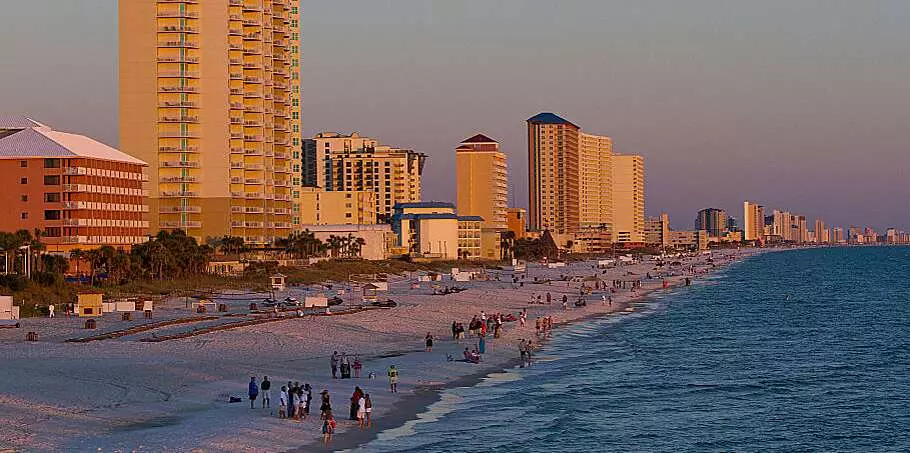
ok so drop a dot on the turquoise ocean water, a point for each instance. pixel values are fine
(797, 351)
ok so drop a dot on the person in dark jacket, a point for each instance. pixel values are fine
(265, 386)
(355, 400)
(253, 391)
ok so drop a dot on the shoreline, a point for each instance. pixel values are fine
(122, 385)
(410, 407)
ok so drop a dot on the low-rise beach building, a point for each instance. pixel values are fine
(77, 192)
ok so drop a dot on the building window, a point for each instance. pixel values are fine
(51, 180)
(25, 198)
(23, 180)
(23, 216)
(51, 215)
(52, 197)
(52, 232)
(23, 163)
(51, 163)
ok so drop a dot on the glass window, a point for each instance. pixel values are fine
(23, 163)
(25, 198)
(23, 215)
(51, 163)
(23, 180)
(52, 180)
(52, 197)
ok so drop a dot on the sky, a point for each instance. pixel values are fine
(801, 105)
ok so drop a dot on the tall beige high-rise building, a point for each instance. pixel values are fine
(482, 181)
(628, 198)
(343, 163)
(753, 221)
(595, 186)
(553, 174)
(571, 177)
(210, 98)
(820, 231)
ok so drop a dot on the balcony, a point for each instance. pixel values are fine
(251, 23)
(177, 194)
(178, 104)
(236, 150)
(178, 119)
(178, 89)
(183, 59)
(74, 188)
(255, 36)
(182, 224)
(180, 209)
(253, 152)
(181, 14)
(178, 29)
(183, 44)
(179, 75)
(179, 164)
(236, 76)
(179, 179)
(254, 210)
(254, 224)
(178, 134)
(75, 205)
(251, 79)
(236, 164)
(252, 138)
(237, 209)
(253, 181)
(178, 149)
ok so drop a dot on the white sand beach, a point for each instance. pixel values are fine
(123, 394)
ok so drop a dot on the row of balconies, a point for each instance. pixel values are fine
(179, 75)
(178, 119)
(178, 104)
(183, 14)
(179, 59)
(179, 164)
(89, 188)
(115, 223)
(102, 239)
(178, 194)
(179, 179)
(182, 224)
(99, 206)
(178, 29)
(180, 209)
(178, 149)
(181, 43)
(178, 89)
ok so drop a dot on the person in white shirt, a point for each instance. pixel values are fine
(283, 403)
(362, 411)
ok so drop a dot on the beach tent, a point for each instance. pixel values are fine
(89, 304)
(278, 282)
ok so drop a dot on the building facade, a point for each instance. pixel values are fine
(318, 207)
(77, 192)
(210, 98)
(628, 198)
(482, 181)
(753, 221)
(712, 220)
(432, 229)
(553, 174)
(354, 163)
(517, 222)
(595, 182)
(378, 239)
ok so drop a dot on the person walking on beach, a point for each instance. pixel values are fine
(522, 351)
(253, 391)
(334, 361)
(528, 348)
(362, 410)
(283, 403)
(355, 403)
(368, 410)
(294, 404)
(393, 379)
(326, 407)
(357, 367)
(328, 428)
(50, 311)
(523, 317)
(549, 298)
(265, 387)
(429, 342)
(308, 398)
(454, 330)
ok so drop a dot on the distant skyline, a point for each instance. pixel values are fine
(798, 106)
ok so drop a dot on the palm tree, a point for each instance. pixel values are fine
(77, 255)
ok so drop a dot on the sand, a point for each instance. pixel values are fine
(126, 395)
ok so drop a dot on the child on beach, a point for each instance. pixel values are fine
(429, 342)
(362, 411)
(328, 428)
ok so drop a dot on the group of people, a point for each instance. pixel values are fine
(361, 408)
(543, 325)
(524, 349)
(294, 401)
(344, 364)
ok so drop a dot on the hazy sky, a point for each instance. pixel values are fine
(797, 104)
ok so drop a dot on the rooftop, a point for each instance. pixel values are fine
(424, 204)
(549, 118)
(479, 138)
(23, 137)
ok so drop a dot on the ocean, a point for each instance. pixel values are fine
(794, 351)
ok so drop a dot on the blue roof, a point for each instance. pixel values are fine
(424, 216)
(424, 204)
(471, 218)
(548, 118)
